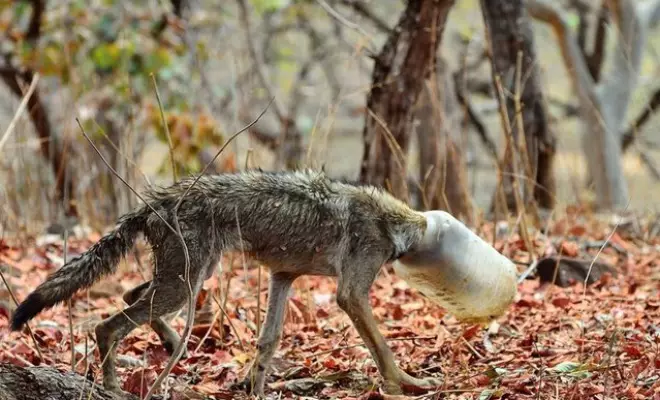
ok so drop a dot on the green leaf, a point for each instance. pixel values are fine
(106, 56)
(573, 20)
(572, 369)
(565, 367)
(262, 6)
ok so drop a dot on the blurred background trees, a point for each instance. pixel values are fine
(473, 107)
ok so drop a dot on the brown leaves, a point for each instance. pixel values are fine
(554, 342)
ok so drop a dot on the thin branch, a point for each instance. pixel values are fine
(278, 108)
(19, 111)
(345, 22)
(548, 12)
(474, 118)
(363, 10)
(650, 164)
(630, 135)
(34, 29)
(191, 302)
(165, 127)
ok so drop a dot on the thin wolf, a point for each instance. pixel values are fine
(294, 223)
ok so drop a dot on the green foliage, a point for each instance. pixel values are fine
(262, 6)
(190, 134)
(107, 47)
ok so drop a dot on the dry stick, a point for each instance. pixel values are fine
(221, 322)
(69, 308)
(259, 300)
(514, 181)
(259, 64)
(586, 278)
(345, 22)
(208, 331)
(11, 293)
(177, 233)
(394, 148)
(191, 301)
(231, 324)
(19, 111)
(167, 128)
(360, 344)
(121, 153)
(65, 250)
(527, 166)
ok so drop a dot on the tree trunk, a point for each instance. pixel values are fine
(38, 383)
(51, 148)
(405, 61)
(442, 170)
(604, 105)
(510, 33)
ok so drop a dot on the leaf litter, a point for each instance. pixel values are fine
(555, 342)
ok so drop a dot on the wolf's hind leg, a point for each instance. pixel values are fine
(157, 300)
(168, 336)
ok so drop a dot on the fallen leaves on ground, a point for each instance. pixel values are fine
(602, 342)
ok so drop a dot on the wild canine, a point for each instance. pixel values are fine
(295, 223)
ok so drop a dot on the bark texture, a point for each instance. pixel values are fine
(509, 31)
(404, 63)
(40, 383)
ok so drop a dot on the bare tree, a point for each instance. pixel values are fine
(405, 61)
(604, 103)
(530, 151)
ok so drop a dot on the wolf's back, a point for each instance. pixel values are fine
(99, 260)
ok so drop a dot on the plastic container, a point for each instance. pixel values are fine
(459, 271)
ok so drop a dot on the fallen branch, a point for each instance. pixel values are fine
(45, 382)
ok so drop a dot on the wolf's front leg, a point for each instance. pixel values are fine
(271, 332)
(353, 297)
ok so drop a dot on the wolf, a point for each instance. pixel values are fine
(294, 223)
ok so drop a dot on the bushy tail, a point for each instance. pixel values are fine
(99, 260)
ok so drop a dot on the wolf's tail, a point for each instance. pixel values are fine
(99, 260)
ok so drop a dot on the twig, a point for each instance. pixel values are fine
(351, 346)
(231, 324)
(191, 302)
(528, 271)
(586, 278)
(474, 119)
(19, 111)
(69, 308)
(166, 127)
(362, 9)
(632, 132)
(258, 63)
(344, 21)
(11, 294)
(650, 163)
(177, 355)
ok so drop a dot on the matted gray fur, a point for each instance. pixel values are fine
(295, 223)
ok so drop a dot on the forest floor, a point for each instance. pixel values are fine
(598, 342)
